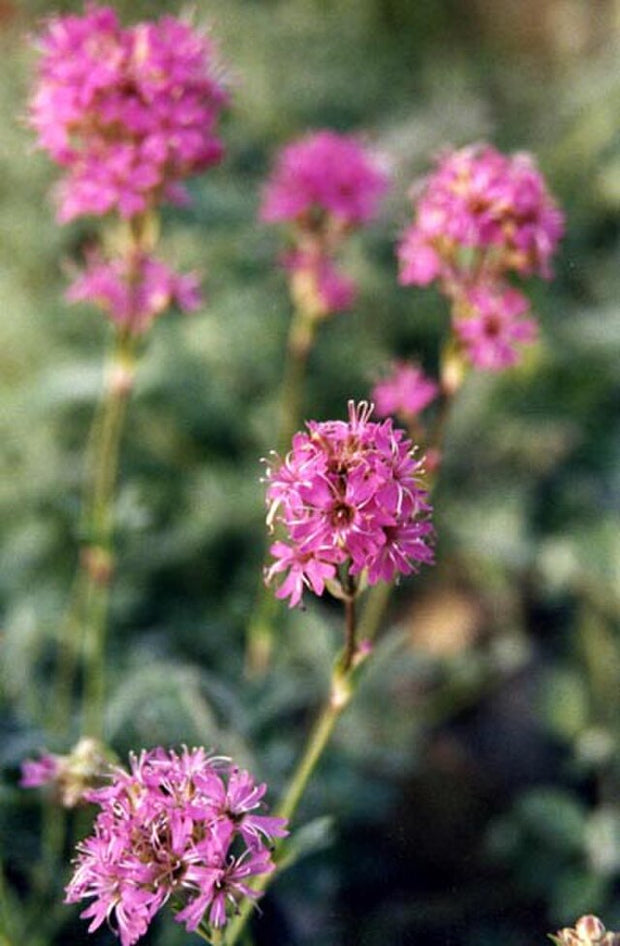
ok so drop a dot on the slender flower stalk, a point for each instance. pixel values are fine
(324, 186)
(97, 557)
(343, 685)
(128, 114)
(481, 218)
(348, 501)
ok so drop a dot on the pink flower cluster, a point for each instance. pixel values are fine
(134, 290)
(326, 185)
(317, 285)
(492, 326)
(480, 217)
(323, 175)
(480, 209)
(347, 496)
(405, 392)
(128, 113)
(182, 826)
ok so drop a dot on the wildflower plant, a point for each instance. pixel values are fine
(350, 500)
(480, 218)
(323, 187)
(129, 114)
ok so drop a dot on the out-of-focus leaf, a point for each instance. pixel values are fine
(314, 836)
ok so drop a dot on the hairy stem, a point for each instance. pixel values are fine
(342, 688)
(97, 554)
(301, 336)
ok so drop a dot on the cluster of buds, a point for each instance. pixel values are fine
(350, 503)
(68, 776)
(128, 114)
(480, 218)
(588, 931)
(181, 827)
(325, 185)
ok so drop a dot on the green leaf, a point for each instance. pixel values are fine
(314, 836)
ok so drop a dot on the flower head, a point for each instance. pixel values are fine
(70, 776)
(324, 175)
(406, 391)
(128, 113)
(317, 285)
(134, 290)
(480, 208)
(588, 931)
(494, 327)
(347, 496)
(176, 825)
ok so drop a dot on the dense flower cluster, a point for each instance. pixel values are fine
(182, 827)
(128, 113)
(323, 175)
(348, 494)
(406, 391)
(480, 217)
(133, 290)
(326, 184)
(493, 326)
(480, 209)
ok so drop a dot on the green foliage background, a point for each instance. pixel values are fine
(474, 786)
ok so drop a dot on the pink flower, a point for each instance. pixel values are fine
(347, 497)
(43, 771)
(480, 209)
(324, 174)
(175, 826)
(317, 285)
(406, 391)
(133, 291)
(128, 113)
(495, 327)
(69, 776)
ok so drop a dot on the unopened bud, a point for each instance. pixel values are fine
(120, 378)
(99, 564)
(589, 929)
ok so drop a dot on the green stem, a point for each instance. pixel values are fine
(67, 658)
(287, 807)
(350, 646)
(375, 607)
(97, 555)
(343, 683)
(260, 631)
(299, 344)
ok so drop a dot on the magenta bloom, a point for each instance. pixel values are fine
(324, 175)
(406, 391)
(176, 826)
(317, 284)
(38, 772)
(347, 496)
(133, 291)
(128, 113)
(69, 776)
(495, 328)
(480, 208)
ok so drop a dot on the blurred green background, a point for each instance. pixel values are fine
(475, 785)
